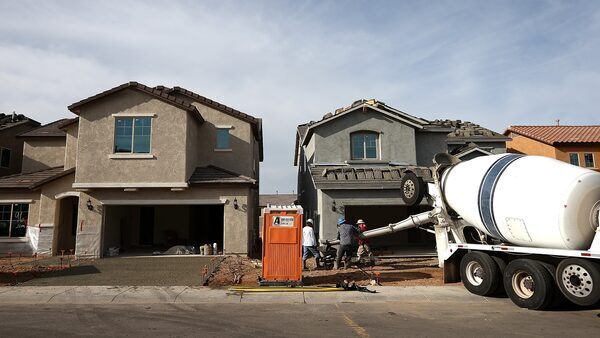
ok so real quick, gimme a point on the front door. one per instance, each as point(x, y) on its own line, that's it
point(146, 225)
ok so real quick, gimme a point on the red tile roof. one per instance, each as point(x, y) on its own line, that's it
point(559, 134)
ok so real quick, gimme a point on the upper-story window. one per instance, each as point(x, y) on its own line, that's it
point(574, 158)
point(223, 138)
point(364, 145)
point(133, 134)
point(4, 158)
point(13, 220)
point(588, 159)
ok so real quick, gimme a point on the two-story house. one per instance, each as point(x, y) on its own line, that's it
point(11, 146)
point(578, 145)
point(351, 162)
point(141, 168)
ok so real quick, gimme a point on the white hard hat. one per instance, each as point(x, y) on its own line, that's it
point(360, 221)
point(309, 221)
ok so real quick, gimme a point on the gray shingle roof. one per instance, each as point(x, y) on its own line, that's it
point(51, 129)
point(212, 174)
point(467, 130)
point(34, 179)
point(12, 120)
point(279, 199)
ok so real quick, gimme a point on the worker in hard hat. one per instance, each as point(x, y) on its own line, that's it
point(309, 244)
point(363, 243)
point(346, 233)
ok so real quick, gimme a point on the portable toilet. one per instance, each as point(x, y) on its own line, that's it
point(282, 245)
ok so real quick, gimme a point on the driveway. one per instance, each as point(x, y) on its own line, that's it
point(142, 271)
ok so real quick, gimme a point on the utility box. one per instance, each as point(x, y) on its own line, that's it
point(282, 245)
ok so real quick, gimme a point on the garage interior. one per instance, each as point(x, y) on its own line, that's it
point(412, 242)
point(146, 229)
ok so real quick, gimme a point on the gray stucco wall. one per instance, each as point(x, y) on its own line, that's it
point(9, 140)
point(396, 139)
point(41, 153)
point(71, 146)
point(429, 144)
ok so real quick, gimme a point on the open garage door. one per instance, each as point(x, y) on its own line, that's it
point(412, 242)
point(147, 229)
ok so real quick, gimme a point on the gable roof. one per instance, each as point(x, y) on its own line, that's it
point(558, 134)
point(12, 120)
point(277, 199)
point(33, 180)
point(51, 129)
point(213, 174)
point(154, 92)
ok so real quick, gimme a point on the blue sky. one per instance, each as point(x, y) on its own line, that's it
point(496, 63)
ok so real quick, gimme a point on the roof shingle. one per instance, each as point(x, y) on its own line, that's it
point(213, 174)
point(51, 129)
point(559, 134)
point(34, 179)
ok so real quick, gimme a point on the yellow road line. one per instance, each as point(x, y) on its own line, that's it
point(359, 330)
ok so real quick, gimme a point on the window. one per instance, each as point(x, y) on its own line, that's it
point(223, 138)
point(132, 134)
point(574, 158)
point(364, 145)
point(4, 158)
point(588, 160)
point(13, 220)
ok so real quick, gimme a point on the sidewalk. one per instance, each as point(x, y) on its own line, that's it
point(200, 295)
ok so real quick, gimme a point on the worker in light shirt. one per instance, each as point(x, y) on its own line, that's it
point(363, 243)
point(309, 244)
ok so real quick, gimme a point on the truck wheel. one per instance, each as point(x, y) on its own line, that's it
point(501, 267)
point(412, 188)
point(528, 284)
point(579, 280)
point(479, 273)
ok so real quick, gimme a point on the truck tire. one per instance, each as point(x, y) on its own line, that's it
point(579, 281)
point(412, 188)
point(501, 267)
point(480, 273)
point(529, 284)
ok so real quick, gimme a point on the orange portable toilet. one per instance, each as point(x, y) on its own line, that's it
point(282, 245)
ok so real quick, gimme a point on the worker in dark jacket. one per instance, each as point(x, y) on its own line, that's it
point(346, 233)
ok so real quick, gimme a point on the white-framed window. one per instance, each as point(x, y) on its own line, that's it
point(13, 220)
point(574, 158)
point(223, 141)
point(588, 160)
point(133, 135)
point(364, 145)
point(4, 157)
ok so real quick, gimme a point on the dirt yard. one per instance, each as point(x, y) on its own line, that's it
point(17, 269)
point(389, 271)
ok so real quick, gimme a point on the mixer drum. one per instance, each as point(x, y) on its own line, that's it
point(526, 200)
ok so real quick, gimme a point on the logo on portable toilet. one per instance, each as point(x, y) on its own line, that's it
point(283, 221)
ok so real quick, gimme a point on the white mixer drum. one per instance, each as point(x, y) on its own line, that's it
point(526, 200)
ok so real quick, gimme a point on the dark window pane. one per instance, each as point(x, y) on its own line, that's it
point(4, 219)
point(19, 220)
point(141, 137)
point(223, 138)
point(589, 160)
point(123, 130)
point(358, 150)
point(574, 159)
point(5, 158)
point(371, 145)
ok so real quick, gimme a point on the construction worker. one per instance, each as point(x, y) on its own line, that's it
point(363, 243)
point(345, 234)
point(309, 244)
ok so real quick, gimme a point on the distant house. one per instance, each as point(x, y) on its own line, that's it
point(11, 146)
point(351, 164)
point(578, 145)
point(139, 168)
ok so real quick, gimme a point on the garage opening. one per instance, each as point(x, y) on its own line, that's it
point(412, 242)
point(152, 229)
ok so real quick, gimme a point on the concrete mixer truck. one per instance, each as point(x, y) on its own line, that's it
point(526, 225)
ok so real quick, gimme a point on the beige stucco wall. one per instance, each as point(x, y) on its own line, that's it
point(96, 141)
point(71, 145)
point(526, 145)
point(41, 153)
point(241, 157)
point(10, 141)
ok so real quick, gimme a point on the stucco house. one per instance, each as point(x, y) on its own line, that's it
point(351, 164)
point(11, 145)
point(139, 168)
point(578, 145)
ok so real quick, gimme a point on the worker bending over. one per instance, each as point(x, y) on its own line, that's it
point(345, 234)
point(309, 244)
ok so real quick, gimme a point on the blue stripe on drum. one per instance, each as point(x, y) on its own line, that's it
point(486, 193)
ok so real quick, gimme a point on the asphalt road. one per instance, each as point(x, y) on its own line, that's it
point(392, 319)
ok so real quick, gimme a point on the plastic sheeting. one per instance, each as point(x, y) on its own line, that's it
point(180, 250)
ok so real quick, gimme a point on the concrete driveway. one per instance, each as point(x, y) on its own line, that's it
point(142, 271)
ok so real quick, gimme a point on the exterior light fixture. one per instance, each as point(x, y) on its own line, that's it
point(235, 204)
point(333, 206)
point(89, 205)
